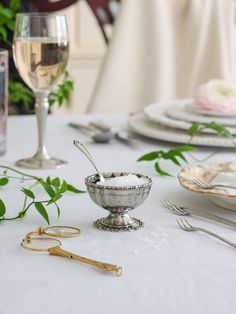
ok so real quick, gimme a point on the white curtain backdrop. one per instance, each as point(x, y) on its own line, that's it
point(162, 50)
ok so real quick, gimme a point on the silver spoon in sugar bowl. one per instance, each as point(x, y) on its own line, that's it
point(87, 154)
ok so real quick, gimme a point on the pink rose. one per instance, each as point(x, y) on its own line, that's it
point(216, 95)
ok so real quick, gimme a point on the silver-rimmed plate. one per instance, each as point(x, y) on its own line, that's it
point(216, 173)
point(157, 113)
point(140, 124)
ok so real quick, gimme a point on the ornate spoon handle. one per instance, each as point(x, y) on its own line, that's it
point(84, 150)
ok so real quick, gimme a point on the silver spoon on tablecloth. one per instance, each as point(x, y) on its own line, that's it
point(99, 136)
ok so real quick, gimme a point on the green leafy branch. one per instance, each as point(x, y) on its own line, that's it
point(20, 94)
point(54, 189)
point(176, 155)
point(196, 128)
point(63, 91)
point(7, 19)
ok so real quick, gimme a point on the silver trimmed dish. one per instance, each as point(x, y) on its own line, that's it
point(141, 125)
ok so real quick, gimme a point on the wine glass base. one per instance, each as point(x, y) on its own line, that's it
point(35, 163)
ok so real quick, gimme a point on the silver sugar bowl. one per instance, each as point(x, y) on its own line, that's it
point(118, 200)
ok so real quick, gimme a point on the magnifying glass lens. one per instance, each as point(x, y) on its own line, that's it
point(62, 231)
point(39, 244)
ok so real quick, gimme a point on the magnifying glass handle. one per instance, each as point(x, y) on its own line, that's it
point(104, 266)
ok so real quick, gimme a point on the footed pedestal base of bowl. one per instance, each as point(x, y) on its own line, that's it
point(118, 223)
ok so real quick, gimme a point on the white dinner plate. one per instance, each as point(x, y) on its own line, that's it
point(180, 112)
point(140, 124)
point(156, 113)
point(224, 173)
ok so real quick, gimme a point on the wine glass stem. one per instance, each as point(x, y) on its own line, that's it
point(41, 110)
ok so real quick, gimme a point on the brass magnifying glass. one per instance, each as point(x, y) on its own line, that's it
point(55, 231)
point(53, 246)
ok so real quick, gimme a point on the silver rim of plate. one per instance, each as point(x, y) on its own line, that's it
point(163, 113)
point(140, 124)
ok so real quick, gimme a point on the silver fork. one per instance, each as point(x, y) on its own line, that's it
point(186, 226)
point(185, 211)
point(205, 185)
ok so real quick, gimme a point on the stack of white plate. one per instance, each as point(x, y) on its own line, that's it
point(169, 121)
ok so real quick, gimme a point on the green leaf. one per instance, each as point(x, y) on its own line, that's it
point(15, 4)
point(3, 33)
point(48, 180)
point(4, 181)
point(184, 148)
point(11, 25)
point(2, 208)
point(56, 182)
point(63, 187)
point(54, 199)
point(48, 188)
point(161, 172)
point(63, 91)
point(28, 193)
point(170, 156)
point(41, 209)
point(150, 156)
point(220, 129)
point(7, 13)
point(19, 93)
point(73, 189)
point(181, 155)
point(194, 129)
point(178, 151)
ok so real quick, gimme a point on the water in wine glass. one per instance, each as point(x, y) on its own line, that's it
point(41, 49)
point(40, 61)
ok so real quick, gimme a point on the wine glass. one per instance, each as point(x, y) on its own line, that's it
point(41, 49)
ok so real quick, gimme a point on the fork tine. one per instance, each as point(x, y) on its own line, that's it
point(174, 208)
point(200, 183)
point(167, 203)
point(178, 222)
point(181, 224)
point(178, 209)
point(163, 201)
point(185, 225)
point(188, 224)
point(195, 180)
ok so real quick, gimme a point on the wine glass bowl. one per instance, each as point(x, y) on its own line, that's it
point(41, 50)
point(119, 200)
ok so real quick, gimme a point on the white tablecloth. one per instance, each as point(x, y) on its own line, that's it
point(162, 50)
point(166, 270)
